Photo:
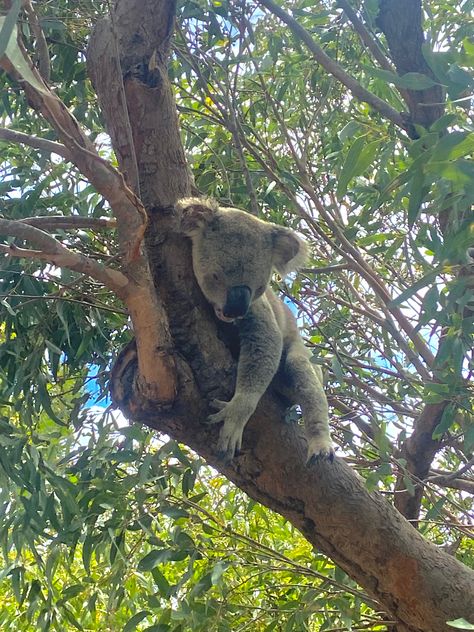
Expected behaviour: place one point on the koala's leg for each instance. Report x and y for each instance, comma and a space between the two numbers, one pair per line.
307, 382
259, 359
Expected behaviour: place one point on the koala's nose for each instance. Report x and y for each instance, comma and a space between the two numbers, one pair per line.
238, 301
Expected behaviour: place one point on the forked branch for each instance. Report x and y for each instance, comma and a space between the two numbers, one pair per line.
157, 372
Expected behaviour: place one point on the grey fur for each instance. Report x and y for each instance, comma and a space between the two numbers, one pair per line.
233, 249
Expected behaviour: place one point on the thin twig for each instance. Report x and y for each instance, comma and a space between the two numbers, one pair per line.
326, 269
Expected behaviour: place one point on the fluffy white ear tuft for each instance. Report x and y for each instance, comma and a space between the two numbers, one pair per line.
290, 252
194, 213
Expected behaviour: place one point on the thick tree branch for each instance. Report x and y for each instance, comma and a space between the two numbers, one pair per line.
333, 68
401, 23
418, 451
462, 484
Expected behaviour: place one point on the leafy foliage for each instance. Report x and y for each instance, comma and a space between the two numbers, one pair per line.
105, 526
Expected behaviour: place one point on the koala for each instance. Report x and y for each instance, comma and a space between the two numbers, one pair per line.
234, 255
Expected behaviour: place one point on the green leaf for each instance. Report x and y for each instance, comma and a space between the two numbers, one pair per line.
418, 191
45, 400
71, 591
349, 131
160, 580
469, 438
460, 624
415, 81
17, 59
409, 81
447, 420
135, 620
87, 548
359, 157
452, 146
337, 369
409, 484
217, 572
174, 512
418, 285
8, 27
153, 558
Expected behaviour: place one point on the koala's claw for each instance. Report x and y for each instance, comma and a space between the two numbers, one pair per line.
218, 404
319, 450
235, 415
230, 442
218, 417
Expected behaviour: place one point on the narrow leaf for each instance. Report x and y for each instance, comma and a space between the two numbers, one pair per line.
410, 291
16, 57
8, 26
359, 157
460, 624
135, 620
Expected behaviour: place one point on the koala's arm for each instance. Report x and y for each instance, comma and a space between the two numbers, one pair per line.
259, 359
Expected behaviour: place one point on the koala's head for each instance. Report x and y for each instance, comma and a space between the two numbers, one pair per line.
234, 254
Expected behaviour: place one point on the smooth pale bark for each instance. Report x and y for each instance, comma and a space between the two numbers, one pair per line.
418, 584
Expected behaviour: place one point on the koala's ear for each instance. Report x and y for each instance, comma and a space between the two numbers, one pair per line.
289, 251
194, 213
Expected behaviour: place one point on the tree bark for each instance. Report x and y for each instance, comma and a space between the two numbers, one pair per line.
418, 584
401, 23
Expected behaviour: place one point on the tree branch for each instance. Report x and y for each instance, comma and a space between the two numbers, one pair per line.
401, 23
418, 451
53, 251
38, 143
333, 68
365, 36
61, 222
333, 509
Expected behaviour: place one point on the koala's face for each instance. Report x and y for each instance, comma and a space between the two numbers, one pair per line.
232, 262
234, 254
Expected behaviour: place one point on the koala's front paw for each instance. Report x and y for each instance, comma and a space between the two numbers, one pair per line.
319, 448
216, 404
230, 441
235, 415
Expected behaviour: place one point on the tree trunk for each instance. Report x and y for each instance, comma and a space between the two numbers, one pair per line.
418, 584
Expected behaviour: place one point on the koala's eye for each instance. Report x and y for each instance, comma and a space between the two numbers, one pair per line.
215, 276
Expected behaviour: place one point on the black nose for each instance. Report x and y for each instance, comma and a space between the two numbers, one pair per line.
238, 301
